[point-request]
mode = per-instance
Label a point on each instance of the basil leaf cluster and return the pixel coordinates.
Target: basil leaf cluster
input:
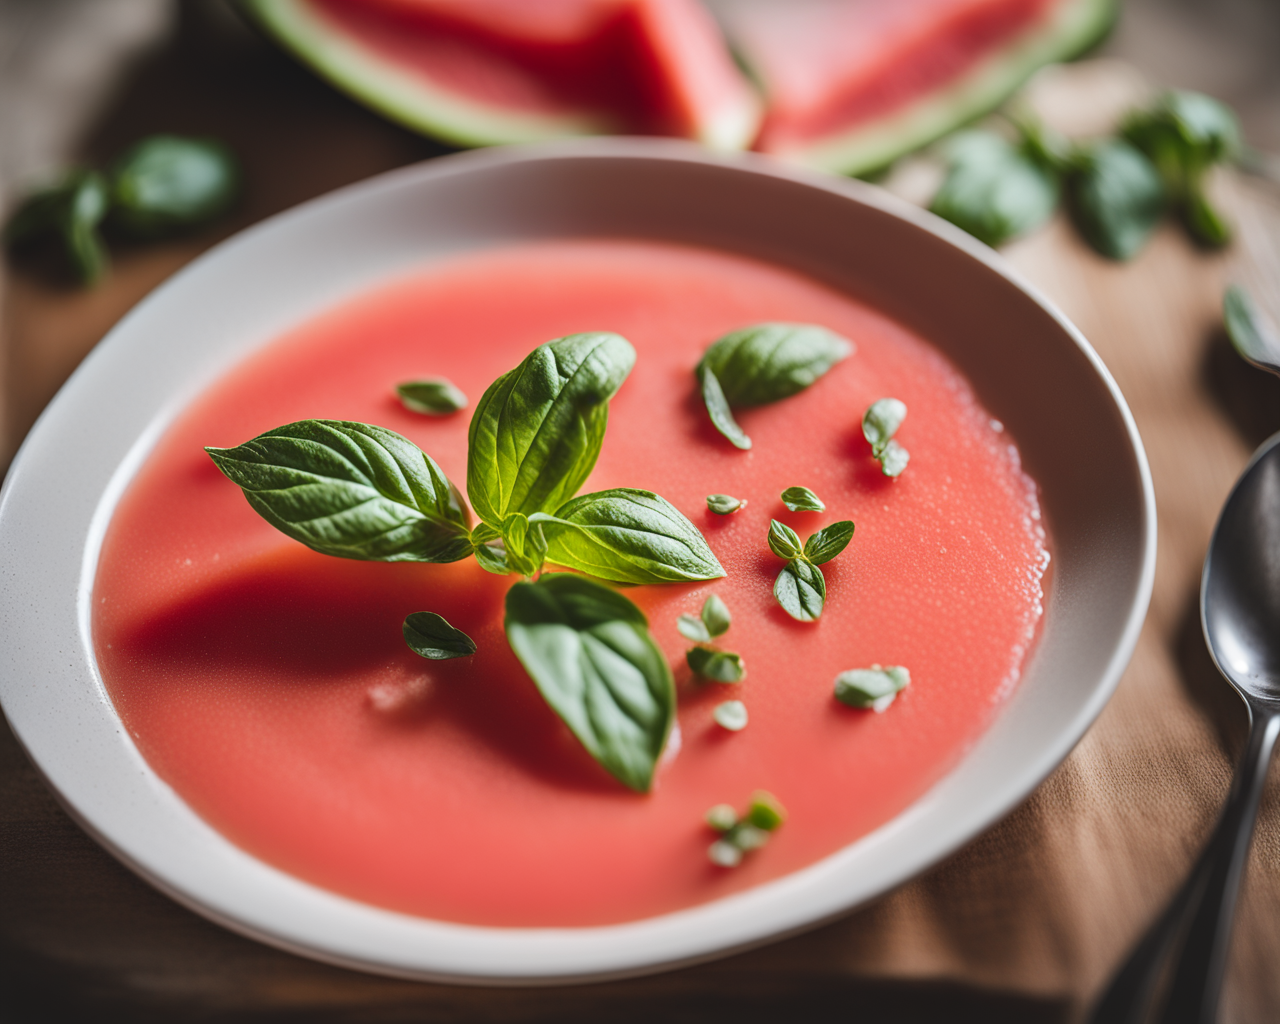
(879, 423)
(762, 364)
(800, 588)
(590, 653)
(162, 185)
(711, 662)
(1116, 198)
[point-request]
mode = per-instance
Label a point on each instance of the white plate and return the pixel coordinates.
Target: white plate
(1030, 366)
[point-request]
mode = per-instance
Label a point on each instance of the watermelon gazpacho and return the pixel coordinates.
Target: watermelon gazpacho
(272, 687)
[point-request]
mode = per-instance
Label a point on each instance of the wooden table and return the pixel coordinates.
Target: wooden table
(1023, 924)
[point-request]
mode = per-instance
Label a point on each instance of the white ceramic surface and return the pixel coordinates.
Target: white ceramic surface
(1029, 365)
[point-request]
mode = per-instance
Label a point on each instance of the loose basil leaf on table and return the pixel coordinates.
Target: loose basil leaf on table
(628, 536)
(71, 212)
(1116, 198)
(537, 430)
(993, 189)
(166, 183)
(828, 542)
(801, 590)
(352, 490)
(801, 499)
(784, 541)
(718, 666)
(432, 396)
(429, 635)
(591, 656)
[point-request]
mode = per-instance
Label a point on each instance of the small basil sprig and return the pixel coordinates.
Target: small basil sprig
(432, 396)
(874, 687)
(591, 655)
(739, 836)
(996, 190)
(429, 635)
(351, 490)
(1184, 134)
(711, 662)
(1115, 197)
(800, 588)
(762, 364)
(68, 212)
(879, 423)
(801, 499)
(725, 504)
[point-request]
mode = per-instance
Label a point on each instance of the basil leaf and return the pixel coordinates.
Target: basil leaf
(725, 504)
(718, 409)
(536, 432)
(766, 811)
(994, 190)
(590, 653)
(70, 212)
(715, 616)
(771, 361)
(524, 544)
(784, 541)
(718, 666)
(801, 590)
(490, 550)
(873, 687)
(828, 542)
(693, 628)
(433, 396)
(167, 183)
(1116, 198)
(628, 536)
(881, 421)
(351, 490)
(893, 458)
(431, 636)
(801, 499)
(731, 715)
(1251, 334)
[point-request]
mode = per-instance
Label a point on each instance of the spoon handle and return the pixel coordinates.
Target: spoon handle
(1200, 913)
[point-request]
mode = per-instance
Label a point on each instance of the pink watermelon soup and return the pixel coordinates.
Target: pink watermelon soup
(270, 687)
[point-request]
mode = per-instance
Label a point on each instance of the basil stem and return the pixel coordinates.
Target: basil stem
(801, 589)
(801, 499)
(429, 635)
(1116, 198)
(993, 189)
(167, 183)
(874, 687)
(351, 490)
(432, 396)
(718, 666)
(724, 504)
(784, 541)
(828, 542)
(537, 430)
(628, 536)
(590, 654)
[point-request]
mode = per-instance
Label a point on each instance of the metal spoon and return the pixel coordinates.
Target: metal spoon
(1240, 613)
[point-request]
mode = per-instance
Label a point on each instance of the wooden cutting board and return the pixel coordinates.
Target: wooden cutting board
(1023, 924)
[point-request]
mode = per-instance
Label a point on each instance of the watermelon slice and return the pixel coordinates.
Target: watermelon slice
(480, 72)
(852, 84)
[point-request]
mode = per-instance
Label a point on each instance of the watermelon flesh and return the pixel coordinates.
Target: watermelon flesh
(481, 72)
(852, 84)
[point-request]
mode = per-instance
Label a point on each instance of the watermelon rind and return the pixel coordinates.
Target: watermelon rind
(870, 146)
(404, 96)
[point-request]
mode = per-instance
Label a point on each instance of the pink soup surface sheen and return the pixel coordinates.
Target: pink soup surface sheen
(270, 687)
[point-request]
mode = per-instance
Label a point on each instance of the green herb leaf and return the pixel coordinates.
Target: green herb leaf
(784, 541)
(801, 499)
(524, 544)
(69, 211)
(718, 409)
(1252, 336)
(718, 666)
(490, 550)
(431, 636)
(536, 433)
(881, 421)
(590, 653)
(433, 396)
(351, 490)
(721, 817)
(1116, 198)
(894, 459)
(628, 536)
(731, 715)
(771, 361)
(166, 183)
(742, 835)
(828, 542)
(994, 190)
(766, 811)
(715, 616)
(801, 589)
(693, 628)
(724, 504)
(873, 687)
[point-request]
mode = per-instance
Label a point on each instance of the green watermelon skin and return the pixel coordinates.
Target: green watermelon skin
(488, 72)
(851, 85)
